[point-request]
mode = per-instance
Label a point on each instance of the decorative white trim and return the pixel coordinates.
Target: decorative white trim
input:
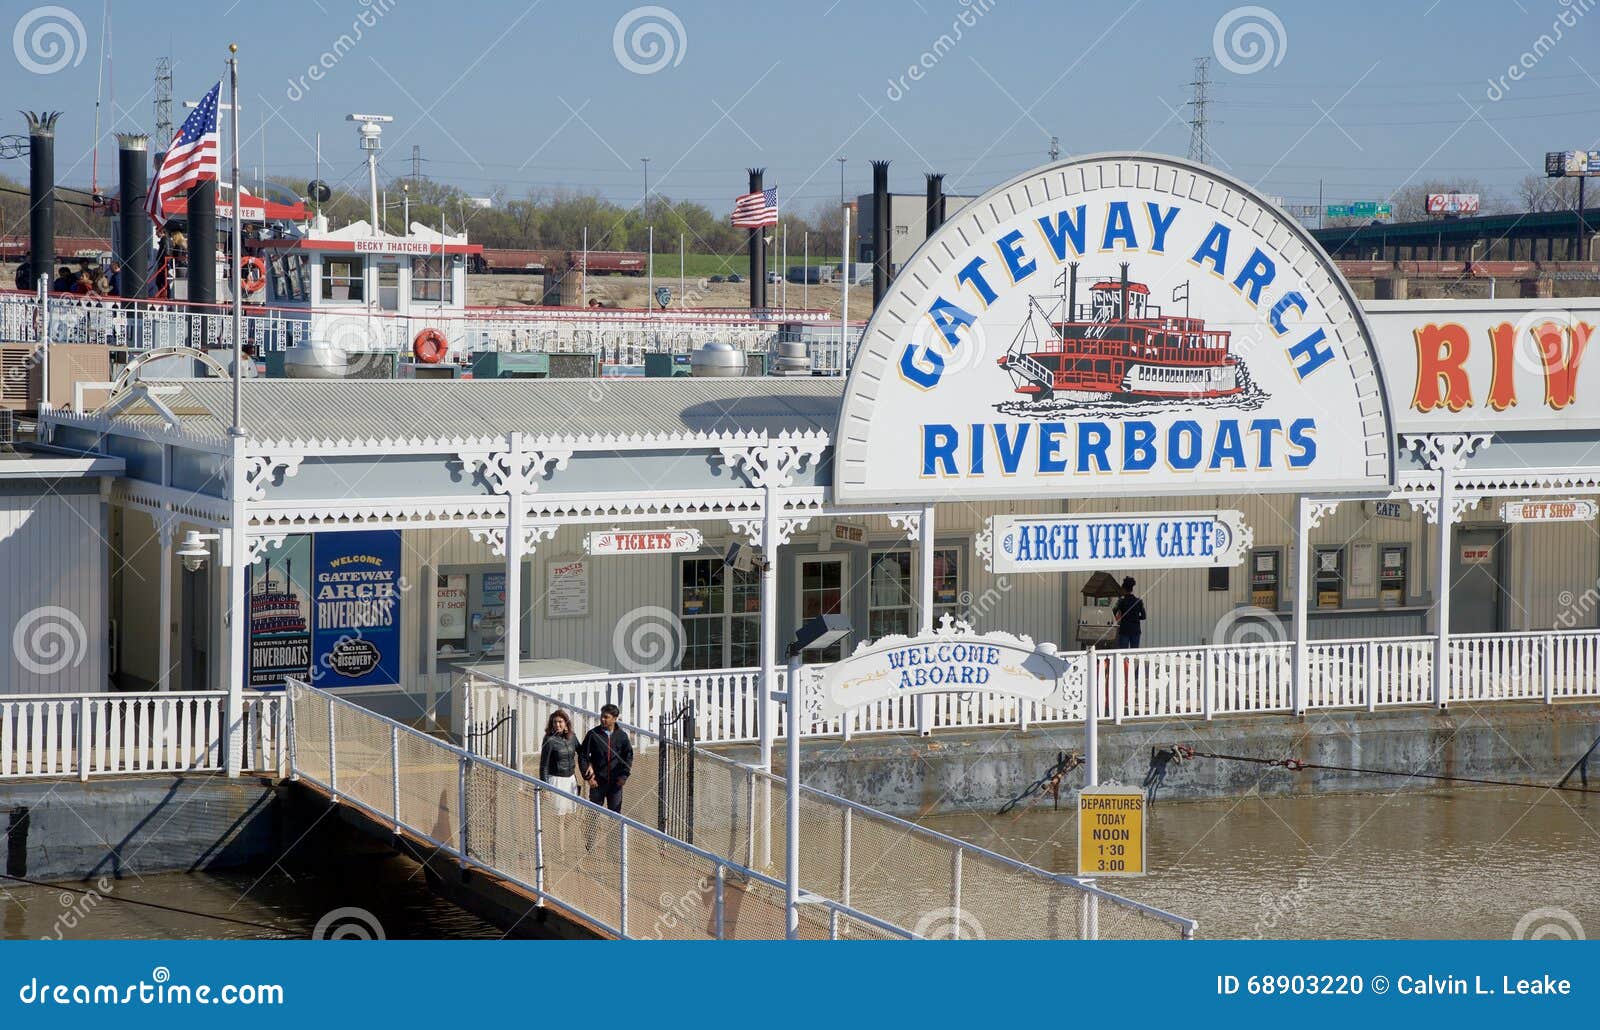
(261, 470)
(256, 546)
(750, 529)
(983, 545)
(1446, 452)
(1316, 511)
(753, 529)
(496, 468)
(1460, 504)
(773, 463)
(908, 522)
(531, 537)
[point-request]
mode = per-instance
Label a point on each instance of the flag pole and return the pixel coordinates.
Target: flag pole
(238, 295)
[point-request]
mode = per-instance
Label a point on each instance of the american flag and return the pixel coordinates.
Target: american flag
(755, 210)
(192, 157)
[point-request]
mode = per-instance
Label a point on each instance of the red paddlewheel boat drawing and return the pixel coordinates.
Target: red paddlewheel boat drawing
(1121, 348)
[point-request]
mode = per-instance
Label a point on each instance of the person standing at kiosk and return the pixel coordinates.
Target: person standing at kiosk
(1130, 615)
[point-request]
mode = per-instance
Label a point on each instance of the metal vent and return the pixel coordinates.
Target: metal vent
(16, 368)
(8, 430)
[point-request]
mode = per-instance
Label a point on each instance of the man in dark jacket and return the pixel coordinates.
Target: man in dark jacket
(1129, 612)
(606, 759)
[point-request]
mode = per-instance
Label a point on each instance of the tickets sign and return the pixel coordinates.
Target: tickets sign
(952, 659)
(1548, 511)
(1125, 322)
(1068, 543)
(644, 541)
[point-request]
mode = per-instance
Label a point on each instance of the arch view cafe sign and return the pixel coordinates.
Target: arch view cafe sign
(1120, 324)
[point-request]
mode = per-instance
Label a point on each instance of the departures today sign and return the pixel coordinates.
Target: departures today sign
(1068, 543)
(1122, 321)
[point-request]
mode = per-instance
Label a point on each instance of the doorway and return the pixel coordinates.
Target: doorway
(822, 579)
(1478, 598)
(194, 632)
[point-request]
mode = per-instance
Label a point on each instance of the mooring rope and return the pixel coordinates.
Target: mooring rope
(149, 904)
(1183, 752)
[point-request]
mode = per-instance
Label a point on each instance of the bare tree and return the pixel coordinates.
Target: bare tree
(1543, 193)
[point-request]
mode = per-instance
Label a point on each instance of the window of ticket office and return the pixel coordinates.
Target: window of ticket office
(720, 610)
(1328, 576)
(343, 278)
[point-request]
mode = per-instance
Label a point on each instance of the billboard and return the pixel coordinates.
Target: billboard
(1453, 203)
(356, 589)
(1114, 322)
(1559, 163)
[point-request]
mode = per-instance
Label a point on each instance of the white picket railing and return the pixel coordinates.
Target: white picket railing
(1148, 683)
(84, 735)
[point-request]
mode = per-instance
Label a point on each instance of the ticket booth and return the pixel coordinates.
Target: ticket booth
(1265, 578)
(1393, 570)
(1327, 572)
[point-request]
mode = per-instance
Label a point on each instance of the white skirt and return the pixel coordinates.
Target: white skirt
(558, 804)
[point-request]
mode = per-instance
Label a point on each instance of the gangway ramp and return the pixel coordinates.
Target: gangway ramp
(898, 872)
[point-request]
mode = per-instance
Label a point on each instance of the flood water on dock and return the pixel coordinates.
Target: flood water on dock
(1457, 863)
(267, 906)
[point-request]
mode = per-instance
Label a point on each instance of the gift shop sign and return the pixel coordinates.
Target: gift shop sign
(1119, 322)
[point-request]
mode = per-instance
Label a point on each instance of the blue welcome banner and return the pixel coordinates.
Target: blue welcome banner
(356, 588)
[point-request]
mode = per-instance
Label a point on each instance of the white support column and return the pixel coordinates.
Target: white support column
(1441, 640)
(925, 553)
(1302, 573)
(236, 612)
(165, 526)
(767, 716)
(515, 499)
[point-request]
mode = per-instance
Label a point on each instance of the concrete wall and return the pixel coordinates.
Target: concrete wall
(53, 611)
(911, 776)
(135, 826)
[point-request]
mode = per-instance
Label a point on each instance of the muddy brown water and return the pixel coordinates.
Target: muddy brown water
(1457, 863)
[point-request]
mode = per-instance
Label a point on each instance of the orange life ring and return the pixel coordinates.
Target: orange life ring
(253, 274)
(430, 346)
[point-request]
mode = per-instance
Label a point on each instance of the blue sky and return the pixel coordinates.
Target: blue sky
(503, 95)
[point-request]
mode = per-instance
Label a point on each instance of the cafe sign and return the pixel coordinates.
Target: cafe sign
(1548, 511)
(644, 541)
(952, 659)
(1072, 543)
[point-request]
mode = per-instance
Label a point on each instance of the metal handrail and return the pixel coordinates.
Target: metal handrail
(541, 785)
(1185, 924)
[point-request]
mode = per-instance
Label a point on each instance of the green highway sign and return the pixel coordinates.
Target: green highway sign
(1361, 209)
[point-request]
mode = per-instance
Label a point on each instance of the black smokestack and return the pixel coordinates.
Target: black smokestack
(935, 216)
(758, 251)
(133, 252)
(203, 243)
(42, 192)
(880, 230)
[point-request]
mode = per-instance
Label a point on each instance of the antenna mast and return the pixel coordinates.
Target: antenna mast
(1199, 146)
(163, 95)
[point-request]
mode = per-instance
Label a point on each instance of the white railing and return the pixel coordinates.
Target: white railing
(1148, 683)
(84, 735)
(610, 870)
(619, 336)
(895, 870)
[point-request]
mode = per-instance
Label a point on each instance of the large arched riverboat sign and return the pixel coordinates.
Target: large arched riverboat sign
(1117, 321)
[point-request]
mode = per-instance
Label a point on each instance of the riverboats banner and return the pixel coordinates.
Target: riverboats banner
(356, 588)
(1488, 365)
(1119, 322)
(278, 589)
(952, 659)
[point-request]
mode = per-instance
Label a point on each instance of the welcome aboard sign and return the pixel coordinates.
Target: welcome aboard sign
(1115, 320)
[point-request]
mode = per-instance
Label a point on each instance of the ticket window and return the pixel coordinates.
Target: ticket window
(470, 614)
(1266, 577)
(1393, 567)
(1327, 570)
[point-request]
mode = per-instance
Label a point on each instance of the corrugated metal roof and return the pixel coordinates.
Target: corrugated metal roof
(300, 409)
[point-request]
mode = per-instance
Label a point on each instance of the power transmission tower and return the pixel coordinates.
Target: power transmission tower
(416, 163)
(1055, 148)
(1199, 146)
(163, 95)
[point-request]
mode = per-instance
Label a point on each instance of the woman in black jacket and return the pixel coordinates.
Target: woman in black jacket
(558, 766)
